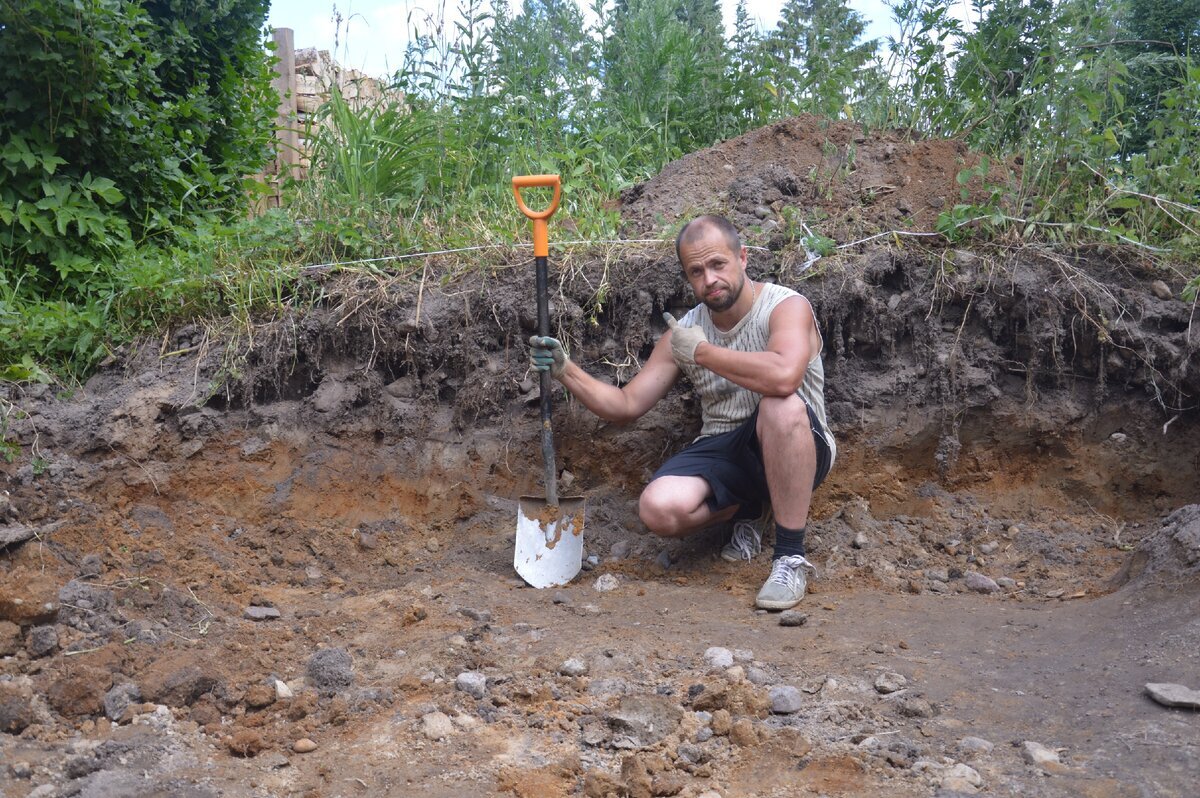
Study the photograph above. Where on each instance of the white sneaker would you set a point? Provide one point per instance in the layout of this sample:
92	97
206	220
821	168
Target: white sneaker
786	585
746	541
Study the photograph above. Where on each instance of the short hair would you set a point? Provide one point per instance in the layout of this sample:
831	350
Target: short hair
700	225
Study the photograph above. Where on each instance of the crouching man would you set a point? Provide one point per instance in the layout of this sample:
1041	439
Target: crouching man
753	353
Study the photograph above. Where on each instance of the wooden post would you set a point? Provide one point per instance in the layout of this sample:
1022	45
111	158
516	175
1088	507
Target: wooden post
286	135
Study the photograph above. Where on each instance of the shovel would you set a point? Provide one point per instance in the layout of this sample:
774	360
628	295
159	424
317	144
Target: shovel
549	550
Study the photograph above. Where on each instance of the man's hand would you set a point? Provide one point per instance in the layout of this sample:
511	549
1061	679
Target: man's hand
547	353
684	341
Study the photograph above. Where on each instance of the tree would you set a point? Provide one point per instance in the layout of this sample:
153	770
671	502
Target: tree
817	56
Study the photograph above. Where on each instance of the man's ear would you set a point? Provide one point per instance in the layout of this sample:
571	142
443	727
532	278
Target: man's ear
745	257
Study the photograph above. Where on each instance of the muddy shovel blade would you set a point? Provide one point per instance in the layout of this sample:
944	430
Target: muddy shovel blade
549	550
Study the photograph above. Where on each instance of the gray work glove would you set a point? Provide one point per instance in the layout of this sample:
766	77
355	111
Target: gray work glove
547	353
684	341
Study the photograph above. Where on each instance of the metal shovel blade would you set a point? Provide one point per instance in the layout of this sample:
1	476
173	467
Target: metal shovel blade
549	550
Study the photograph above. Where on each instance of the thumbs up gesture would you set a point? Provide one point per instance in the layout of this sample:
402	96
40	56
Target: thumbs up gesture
684	341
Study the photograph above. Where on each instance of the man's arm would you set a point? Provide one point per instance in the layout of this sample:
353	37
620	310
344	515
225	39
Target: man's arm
625	404
780	368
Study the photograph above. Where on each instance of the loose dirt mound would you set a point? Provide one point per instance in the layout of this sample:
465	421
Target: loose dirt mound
816	170
221	561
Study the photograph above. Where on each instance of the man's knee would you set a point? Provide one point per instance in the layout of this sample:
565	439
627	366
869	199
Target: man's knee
782	413
662	513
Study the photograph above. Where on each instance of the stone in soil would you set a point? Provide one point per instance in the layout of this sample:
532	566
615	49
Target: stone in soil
979	583
642	720
721	722
259	696
743	733
573	667
282	691
16	713
43	641
473	683
246	742
436	726
718	657
331	670
975	746
606	583
81	693
304	746
26	601
962	778
785	699
118	699
260	613
793	618
1038	754
890	683
15	533
1173	695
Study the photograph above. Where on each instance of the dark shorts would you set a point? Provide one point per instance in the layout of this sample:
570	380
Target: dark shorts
732	465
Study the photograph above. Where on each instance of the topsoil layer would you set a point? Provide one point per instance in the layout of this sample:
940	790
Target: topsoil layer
218	548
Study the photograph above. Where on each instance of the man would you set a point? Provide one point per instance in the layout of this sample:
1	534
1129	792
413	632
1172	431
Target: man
753	352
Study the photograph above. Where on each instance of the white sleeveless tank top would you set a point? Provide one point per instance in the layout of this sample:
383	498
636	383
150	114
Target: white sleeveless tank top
726	405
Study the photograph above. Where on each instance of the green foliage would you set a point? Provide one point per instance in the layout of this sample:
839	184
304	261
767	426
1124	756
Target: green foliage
121	123
818	59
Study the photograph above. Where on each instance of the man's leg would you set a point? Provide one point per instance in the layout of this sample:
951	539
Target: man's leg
673	506
789	456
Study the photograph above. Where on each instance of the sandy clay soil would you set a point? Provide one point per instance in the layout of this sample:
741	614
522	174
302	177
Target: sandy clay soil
281	564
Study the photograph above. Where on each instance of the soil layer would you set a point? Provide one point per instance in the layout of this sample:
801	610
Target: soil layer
281	564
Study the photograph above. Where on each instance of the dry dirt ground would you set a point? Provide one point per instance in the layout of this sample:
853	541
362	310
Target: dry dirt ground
218	548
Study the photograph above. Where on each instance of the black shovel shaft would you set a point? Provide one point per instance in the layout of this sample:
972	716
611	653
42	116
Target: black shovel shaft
547	385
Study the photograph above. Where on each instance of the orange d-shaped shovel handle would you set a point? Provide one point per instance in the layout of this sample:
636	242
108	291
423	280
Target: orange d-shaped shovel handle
541	230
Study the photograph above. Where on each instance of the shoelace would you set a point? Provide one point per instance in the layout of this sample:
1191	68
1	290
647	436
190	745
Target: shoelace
745	540
786	569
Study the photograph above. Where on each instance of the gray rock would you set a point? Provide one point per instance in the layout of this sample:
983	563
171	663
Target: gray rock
1161	290
793	618
1038	754
482	616
860	540
718	657
473	683
742	655
260	613
43	641
595	734
704	734
642	720
560	597
16	713
938	575
962	778
620	550
989	548
437	726
757	676
693	754
916	708
1006	582
785	699
15	533
331	670
975	746
762	211
890	683
1174	695
91	567
980	583
117	699
573	667
606	583
663	560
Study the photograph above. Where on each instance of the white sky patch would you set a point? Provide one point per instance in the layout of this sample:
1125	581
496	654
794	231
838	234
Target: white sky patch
373	34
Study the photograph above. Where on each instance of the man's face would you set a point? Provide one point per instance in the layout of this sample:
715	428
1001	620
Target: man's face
716	273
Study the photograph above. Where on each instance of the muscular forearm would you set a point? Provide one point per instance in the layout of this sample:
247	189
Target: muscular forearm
766	373
607	401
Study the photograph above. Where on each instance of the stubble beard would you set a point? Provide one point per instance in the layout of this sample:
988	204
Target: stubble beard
731	297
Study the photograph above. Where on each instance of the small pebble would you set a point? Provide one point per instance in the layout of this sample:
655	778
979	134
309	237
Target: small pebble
304	746
606	583
989	548
261	613
1038	754
473	683
785	699
573	667
1161	289
793	618
718	657
436	726
975	745
979	583
890	683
